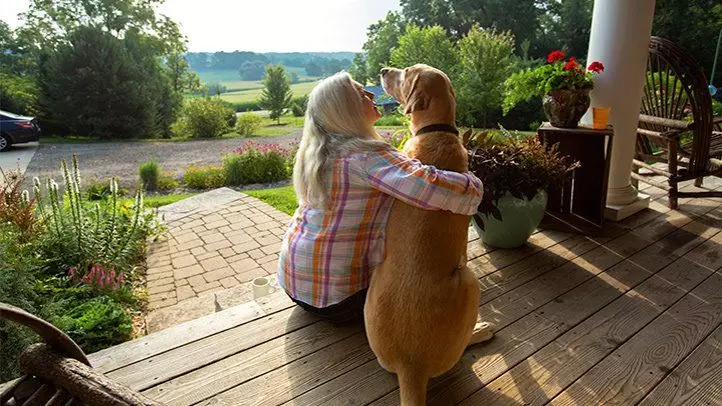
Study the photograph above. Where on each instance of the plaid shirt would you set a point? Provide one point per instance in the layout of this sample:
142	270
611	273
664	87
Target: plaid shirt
327	253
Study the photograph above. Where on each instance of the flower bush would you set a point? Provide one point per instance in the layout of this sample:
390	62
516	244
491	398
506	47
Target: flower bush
204	177
557	74
256	163
78	268
515	164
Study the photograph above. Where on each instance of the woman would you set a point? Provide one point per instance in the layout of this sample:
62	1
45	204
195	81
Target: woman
346	179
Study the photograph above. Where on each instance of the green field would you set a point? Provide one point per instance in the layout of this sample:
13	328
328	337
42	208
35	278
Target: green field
230	78
298	89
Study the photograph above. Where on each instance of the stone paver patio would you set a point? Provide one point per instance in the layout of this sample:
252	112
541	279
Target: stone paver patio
216	243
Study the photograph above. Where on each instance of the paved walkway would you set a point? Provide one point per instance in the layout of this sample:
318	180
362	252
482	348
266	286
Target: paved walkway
216	243
17	157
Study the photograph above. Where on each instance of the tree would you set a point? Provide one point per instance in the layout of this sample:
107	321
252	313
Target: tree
293	77
106	87
182	79
694	25
313	69
430	45
359	70
383	37
485	61
252	70
276	95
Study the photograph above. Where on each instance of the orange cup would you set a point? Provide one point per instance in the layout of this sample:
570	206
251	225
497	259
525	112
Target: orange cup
600	117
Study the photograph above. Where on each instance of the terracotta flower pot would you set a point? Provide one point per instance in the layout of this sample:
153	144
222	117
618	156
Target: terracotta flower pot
564	108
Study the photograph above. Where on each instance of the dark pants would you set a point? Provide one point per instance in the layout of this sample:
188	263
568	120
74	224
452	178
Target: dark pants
350	310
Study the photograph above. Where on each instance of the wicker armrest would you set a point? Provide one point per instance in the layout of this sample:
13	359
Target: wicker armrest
670	135
666	122
716	120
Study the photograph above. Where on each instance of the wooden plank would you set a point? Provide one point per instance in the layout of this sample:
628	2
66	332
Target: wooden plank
636	367
563	312
603	257
178	361
296	378
124	354
205	382
557	365
696	381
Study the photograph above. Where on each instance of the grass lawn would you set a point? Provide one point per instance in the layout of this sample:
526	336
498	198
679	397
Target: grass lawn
283	198
248	95
161	200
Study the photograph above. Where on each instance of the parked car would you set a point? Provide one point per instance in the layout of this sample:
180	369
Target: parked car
15	129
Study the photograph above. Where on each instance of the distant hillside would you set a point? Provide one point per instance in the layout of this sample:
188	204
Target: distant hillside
200	61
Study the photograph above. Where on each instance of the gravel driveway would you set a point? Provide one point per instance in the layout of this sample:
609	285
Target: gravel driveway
103	160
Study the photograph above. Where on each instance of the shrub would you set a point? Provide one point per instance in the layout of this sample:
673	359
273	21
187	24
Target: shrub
204	177
149	173
17	278
392	120
203	118
166	181
112	235
297	110
16	206
248	123
253	163
242	107
98	190
95	323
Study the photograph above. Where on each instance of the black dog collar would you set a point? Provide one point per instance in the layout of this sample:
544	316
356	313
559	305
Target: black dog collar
438	127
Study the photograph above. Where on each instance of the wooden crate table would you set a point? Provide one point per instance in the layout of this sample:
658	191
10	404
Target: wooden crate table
582	199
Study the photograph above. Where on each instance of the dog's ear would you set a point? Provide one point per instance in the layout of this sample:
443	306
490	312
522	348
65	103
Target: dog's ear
415	97
465	137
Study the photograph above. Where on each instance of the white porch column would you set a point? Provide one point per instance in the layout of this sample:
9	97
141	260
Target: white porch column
619	39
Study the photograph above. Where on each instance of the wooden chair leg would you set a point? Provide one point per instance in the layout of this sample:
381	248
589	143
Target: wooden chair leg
672	159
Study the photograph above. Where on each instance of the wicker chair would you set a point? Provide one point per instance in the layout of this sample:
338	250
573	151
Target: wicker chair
57	372
676	126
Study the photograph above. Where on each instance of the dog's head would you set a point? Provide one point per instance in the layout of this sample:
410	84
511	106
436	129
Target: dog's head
418	87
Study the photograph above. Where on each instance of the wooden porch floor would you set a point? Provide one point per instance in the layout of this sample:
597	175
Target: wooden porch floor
633	317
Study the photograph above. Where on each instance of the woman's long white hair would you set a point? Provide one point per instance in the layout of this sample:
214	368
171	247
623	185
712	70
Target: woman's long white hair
335	125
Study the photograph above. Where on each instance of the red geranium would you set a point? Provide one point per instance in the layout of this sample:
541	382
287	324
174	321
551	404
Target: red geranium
555	56
572	64
595	66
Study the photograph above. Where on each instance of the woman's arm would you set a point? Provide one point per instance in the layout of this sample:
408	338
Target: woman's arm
422	185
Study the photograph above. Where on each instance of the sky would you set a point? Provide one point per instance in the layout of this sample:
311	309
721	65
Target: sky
263	25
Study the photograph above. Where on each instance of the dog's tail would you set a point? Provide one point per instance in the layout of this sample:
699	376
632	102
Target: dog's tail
412	385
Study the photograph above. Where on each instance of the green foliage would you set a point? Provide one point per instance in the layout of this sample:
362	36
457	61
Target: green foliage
716	108
95	323
398	138
557	75
204	177
97	190
252	70
263	163
18	268
359	70
296	110
383	36
166	181
517	164
18	94
111	235
391	120
276	95
16	206
102	86
248	123
282	198
430	45
149	173
485	62
203	118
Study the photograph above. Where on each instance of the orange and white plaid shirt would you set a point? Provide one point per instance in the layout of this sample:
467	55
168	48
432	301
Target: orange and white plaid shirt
327	254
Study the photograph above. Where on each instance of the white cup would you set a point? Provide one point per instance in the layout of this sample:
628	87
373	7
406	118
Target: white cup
261	287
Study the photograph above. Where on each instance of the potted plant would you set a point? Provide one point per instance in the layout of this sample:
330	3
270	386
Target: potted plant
564	84
516	172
